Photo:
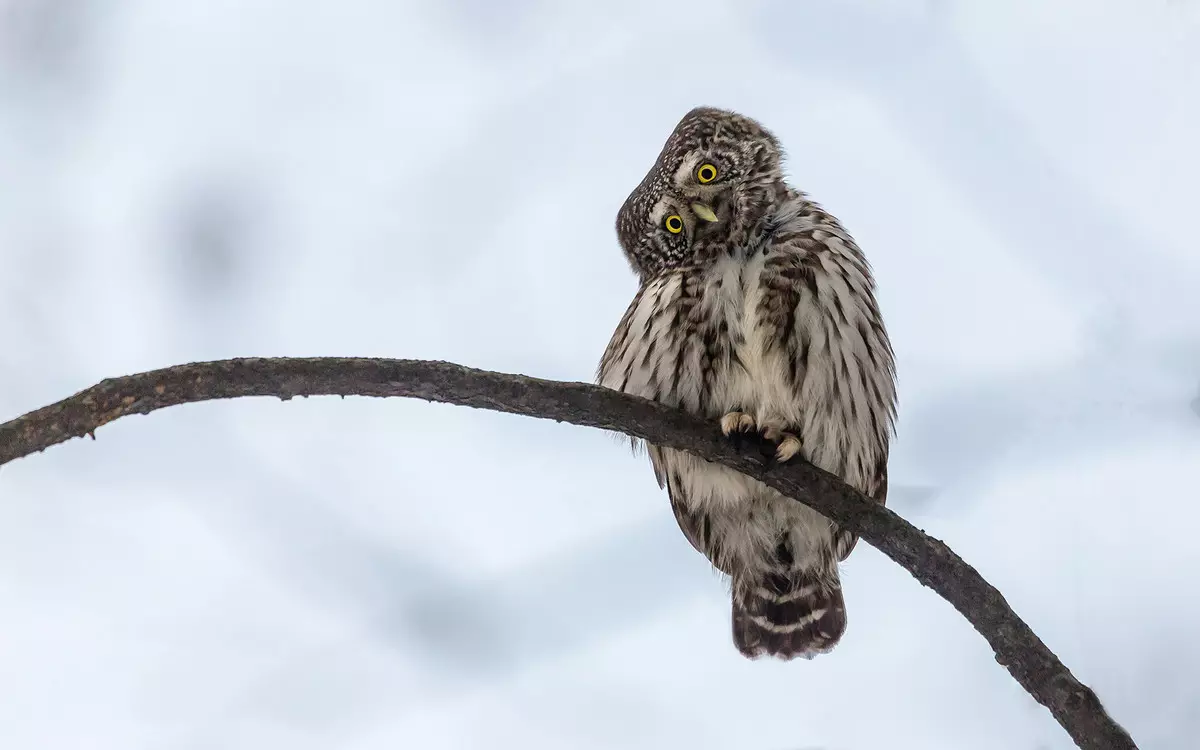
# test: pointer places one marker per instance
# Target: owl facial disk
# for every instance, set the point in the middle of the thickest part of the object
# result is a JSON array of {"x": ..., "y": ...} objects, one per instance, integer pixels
[{"x": 704, "y": 212}]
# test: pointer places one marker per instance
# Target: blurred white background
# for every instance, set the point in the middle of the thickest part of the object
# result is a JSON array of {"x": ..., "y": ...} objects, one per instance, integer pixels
[{"x": 193, "y": 180}]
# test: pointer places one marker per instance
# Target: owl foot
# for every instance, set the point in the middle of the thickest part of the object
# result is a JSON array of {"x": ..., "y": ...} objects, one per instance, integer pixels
[
  {"x": 735, "y": 422},
  {"x": 742, "y": 431},
  {"x": 787, "y": 445}
]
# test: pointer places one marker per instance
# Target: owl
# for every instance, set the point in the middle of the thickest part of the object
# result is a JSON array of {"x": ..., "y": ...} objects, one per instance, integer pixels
[{"x": 757, "y": 310}]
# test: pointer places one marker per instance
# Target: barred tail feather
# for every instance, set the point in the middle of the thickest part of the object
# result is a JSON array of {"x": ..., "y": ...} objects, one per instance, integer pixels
[{"x": 787, "y": 616}]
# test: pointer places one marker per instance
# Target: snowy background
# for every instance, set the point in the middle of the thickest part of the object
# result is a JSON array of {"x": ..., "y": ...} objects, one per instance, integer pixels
[{"x": 183, "y": 181}]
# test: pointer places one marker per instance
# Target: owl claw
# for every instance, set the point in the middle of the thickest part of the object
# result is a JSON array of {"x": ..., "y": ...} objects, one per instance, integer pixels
[
  {"x": 739, "y": 427},
  {"x": 780, "y": 446},
  {"x": 788, "y": 448},
  {"x": 735, "y": 422},
  {"x": 787, "y": 444}
]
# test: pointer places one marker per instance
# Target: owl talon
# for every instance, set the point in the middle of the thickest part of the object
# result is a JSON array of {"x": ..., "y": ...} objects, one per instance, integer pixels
[
  {"x": 737, "y": 422},
  {"x": 739, "y": 427},
  {"x": 787, "y": 445}
]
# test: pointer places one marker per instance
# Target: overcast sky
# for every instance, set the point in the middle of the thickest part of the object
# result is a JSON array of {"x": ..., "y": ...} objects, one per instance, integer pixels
[{"x": 184, "y": 181}]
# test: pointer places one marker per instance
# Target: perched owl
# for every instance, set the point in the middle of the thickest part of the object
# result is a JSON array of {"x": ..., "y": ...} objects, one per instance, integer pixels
[{"x": 755, "y": 308}]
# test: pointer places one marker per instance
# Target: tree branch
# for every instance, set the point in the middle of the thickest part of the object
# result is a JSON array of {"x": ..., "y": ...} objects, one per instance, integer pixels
[{"x": 930, "y": 561}]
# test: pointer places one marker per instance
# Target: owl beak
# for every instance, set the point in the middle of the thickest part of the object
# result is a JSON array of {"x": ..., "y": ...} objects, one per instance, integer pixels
[{"x": 704, "y": 212}]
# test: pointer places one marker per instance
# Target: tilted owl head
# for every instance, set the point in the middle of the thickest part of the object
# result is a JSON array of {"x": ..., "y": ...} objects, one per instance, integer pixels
[{"x": 714, "y": 187}]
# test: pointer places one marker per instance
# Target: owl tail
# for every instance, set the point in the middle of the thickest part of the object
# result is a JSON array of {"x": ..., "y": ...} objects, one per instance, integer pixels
[{"x": 787, "y": 616}]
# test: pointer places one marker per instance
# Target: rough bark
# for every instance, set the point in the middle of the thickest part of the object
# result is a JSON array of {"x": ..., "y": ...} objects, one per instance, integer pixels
[{"x": 930, "y": 561}]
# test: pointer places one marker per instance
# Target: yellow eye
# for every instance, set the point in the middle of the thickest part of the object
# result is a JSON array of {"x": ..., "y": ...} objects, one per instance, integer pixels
[
  {"x": 706, "y": 173},
  {"x": 674, "y": 224}
]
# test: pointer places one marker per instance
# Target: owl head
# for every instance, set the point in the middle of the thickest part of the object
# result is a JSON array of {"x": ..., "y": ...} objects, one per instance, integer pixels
[{"x": 715, "y": 185}]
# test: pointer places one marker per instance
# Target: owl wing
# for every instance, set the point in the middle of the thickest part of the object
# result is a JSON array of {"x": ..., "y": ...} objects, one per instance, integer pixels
[
  {"x": 655, "y": 353},
  {"x": 642, "y": 357},
  {"x": 844, "y": 541},
  {"x": 695, "y": 525},
  {"x": 820, "y": 302}
]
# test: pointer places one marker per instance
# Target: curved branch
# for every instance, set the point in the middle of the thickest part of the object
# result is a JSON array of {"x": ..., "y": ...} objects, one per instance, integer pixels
[{"x": 930, "y": 561}]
